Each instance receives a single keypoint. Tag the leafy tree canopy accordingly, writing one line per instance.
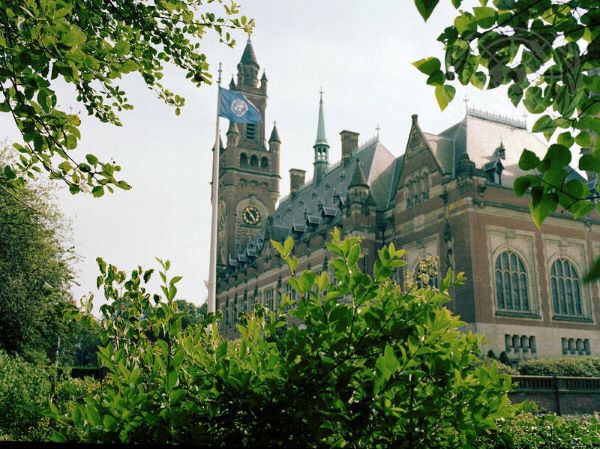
(90, 45)
(547, 53)
(36, 271)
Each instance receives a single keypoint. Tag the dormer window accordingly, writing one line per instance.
(493, 171)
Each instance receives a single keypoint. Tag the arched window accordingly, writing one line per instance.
(427, 272)
(424, 187)
(264, 163)
(511, 283)
(566, 289)
(253, 161)
(243, 160)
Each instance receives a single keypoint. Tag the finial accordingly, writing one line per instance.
(377, 129)
(274, 122)
(321, 93)
(466, 102)
(220, 73)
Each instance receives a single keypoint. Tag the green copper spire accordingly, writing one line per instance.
(321, 138)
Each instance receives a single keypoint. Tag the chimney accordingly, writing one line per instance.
(296, 180)
(349, 144)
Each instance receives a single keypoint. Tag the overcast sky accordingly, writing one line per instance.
(359, 51)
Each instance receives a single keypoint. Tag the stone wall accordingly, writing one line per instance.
(560, 395)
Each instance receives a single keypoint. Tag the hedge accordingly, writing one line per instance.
(566, 366)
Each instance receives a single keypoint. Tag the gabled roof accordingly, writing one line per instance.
(325, 197)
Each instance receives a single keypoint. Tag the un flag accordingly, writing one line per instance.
(236, 107)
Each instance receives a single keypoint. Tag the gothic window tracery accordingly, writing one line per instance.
(566, 289)
(511, 283)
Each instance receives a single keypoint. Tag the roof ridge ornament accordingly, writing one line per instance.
(495, 117)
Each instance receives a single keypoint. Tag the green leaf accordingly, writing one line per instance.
(444, 95)
(594, 273)
(91, 159)
(98, 191)
(522, 183)
(428, 65)
(57, 437)
(557, 156)
(528, 160)
(478, 80)
(590, 162)
(485, 16)
(543, 123)
(584, 139)
(542, 204)
(426, 7)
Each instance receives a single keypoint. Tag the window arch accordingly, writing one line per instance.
(427, 272)
(511, 283)
(253, 161)
(566, 288)
(243, 160)
(264, 163)
(424, 187)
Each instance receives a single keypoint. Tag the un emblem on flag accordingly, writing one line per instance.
(239, 107)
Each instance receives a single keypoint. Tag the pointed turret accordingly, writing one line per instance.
(321, 137)
(274, 134)
(248, 57)
(358, 177)
(321, 146)
(274, 147)
(264, 82)
(233, 134)
(232, 83)
(248, 67)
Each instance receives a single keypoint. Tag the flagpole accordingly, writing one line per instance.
(212, 275)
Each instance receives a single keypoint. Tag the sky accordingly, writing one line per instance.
(360, 52)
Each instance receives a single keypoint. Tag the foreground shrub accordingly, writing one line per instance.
(24, 393)
(361, 363)
(566, 366)
(528, 431)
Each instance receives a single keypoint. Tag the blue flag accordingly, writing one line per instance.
(236, 107)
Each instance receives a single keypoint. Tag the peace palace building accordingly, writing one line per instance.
(448, 198)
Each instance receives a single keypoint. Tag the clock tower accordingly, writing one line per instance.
(249, 168)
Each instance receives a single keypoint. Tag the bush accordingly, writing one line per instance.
(361, 363)
(528, 431)
(24, 392)
(566, 366)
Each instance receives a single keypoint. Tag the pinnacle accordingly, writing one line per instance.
(248, 57)
(358, 177)
(275, 135)
(321, 137)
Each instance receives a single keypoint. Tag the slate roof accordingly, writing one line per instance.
(479, 137)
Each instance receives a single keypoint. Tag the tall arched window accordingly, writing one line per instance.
(511, 283)
(243, 160)
(427, 272)
(566, 289)
(424, 187)
(253, 161)
(264, 163)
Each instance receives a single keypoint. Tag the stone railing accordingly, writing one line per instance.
(559, 394)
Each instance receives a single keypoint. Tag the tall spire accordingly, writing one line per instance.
(248, 57)
(321, 138)
(321, 146)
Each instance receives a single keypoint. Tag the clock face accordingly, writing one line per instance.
(251, 215)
